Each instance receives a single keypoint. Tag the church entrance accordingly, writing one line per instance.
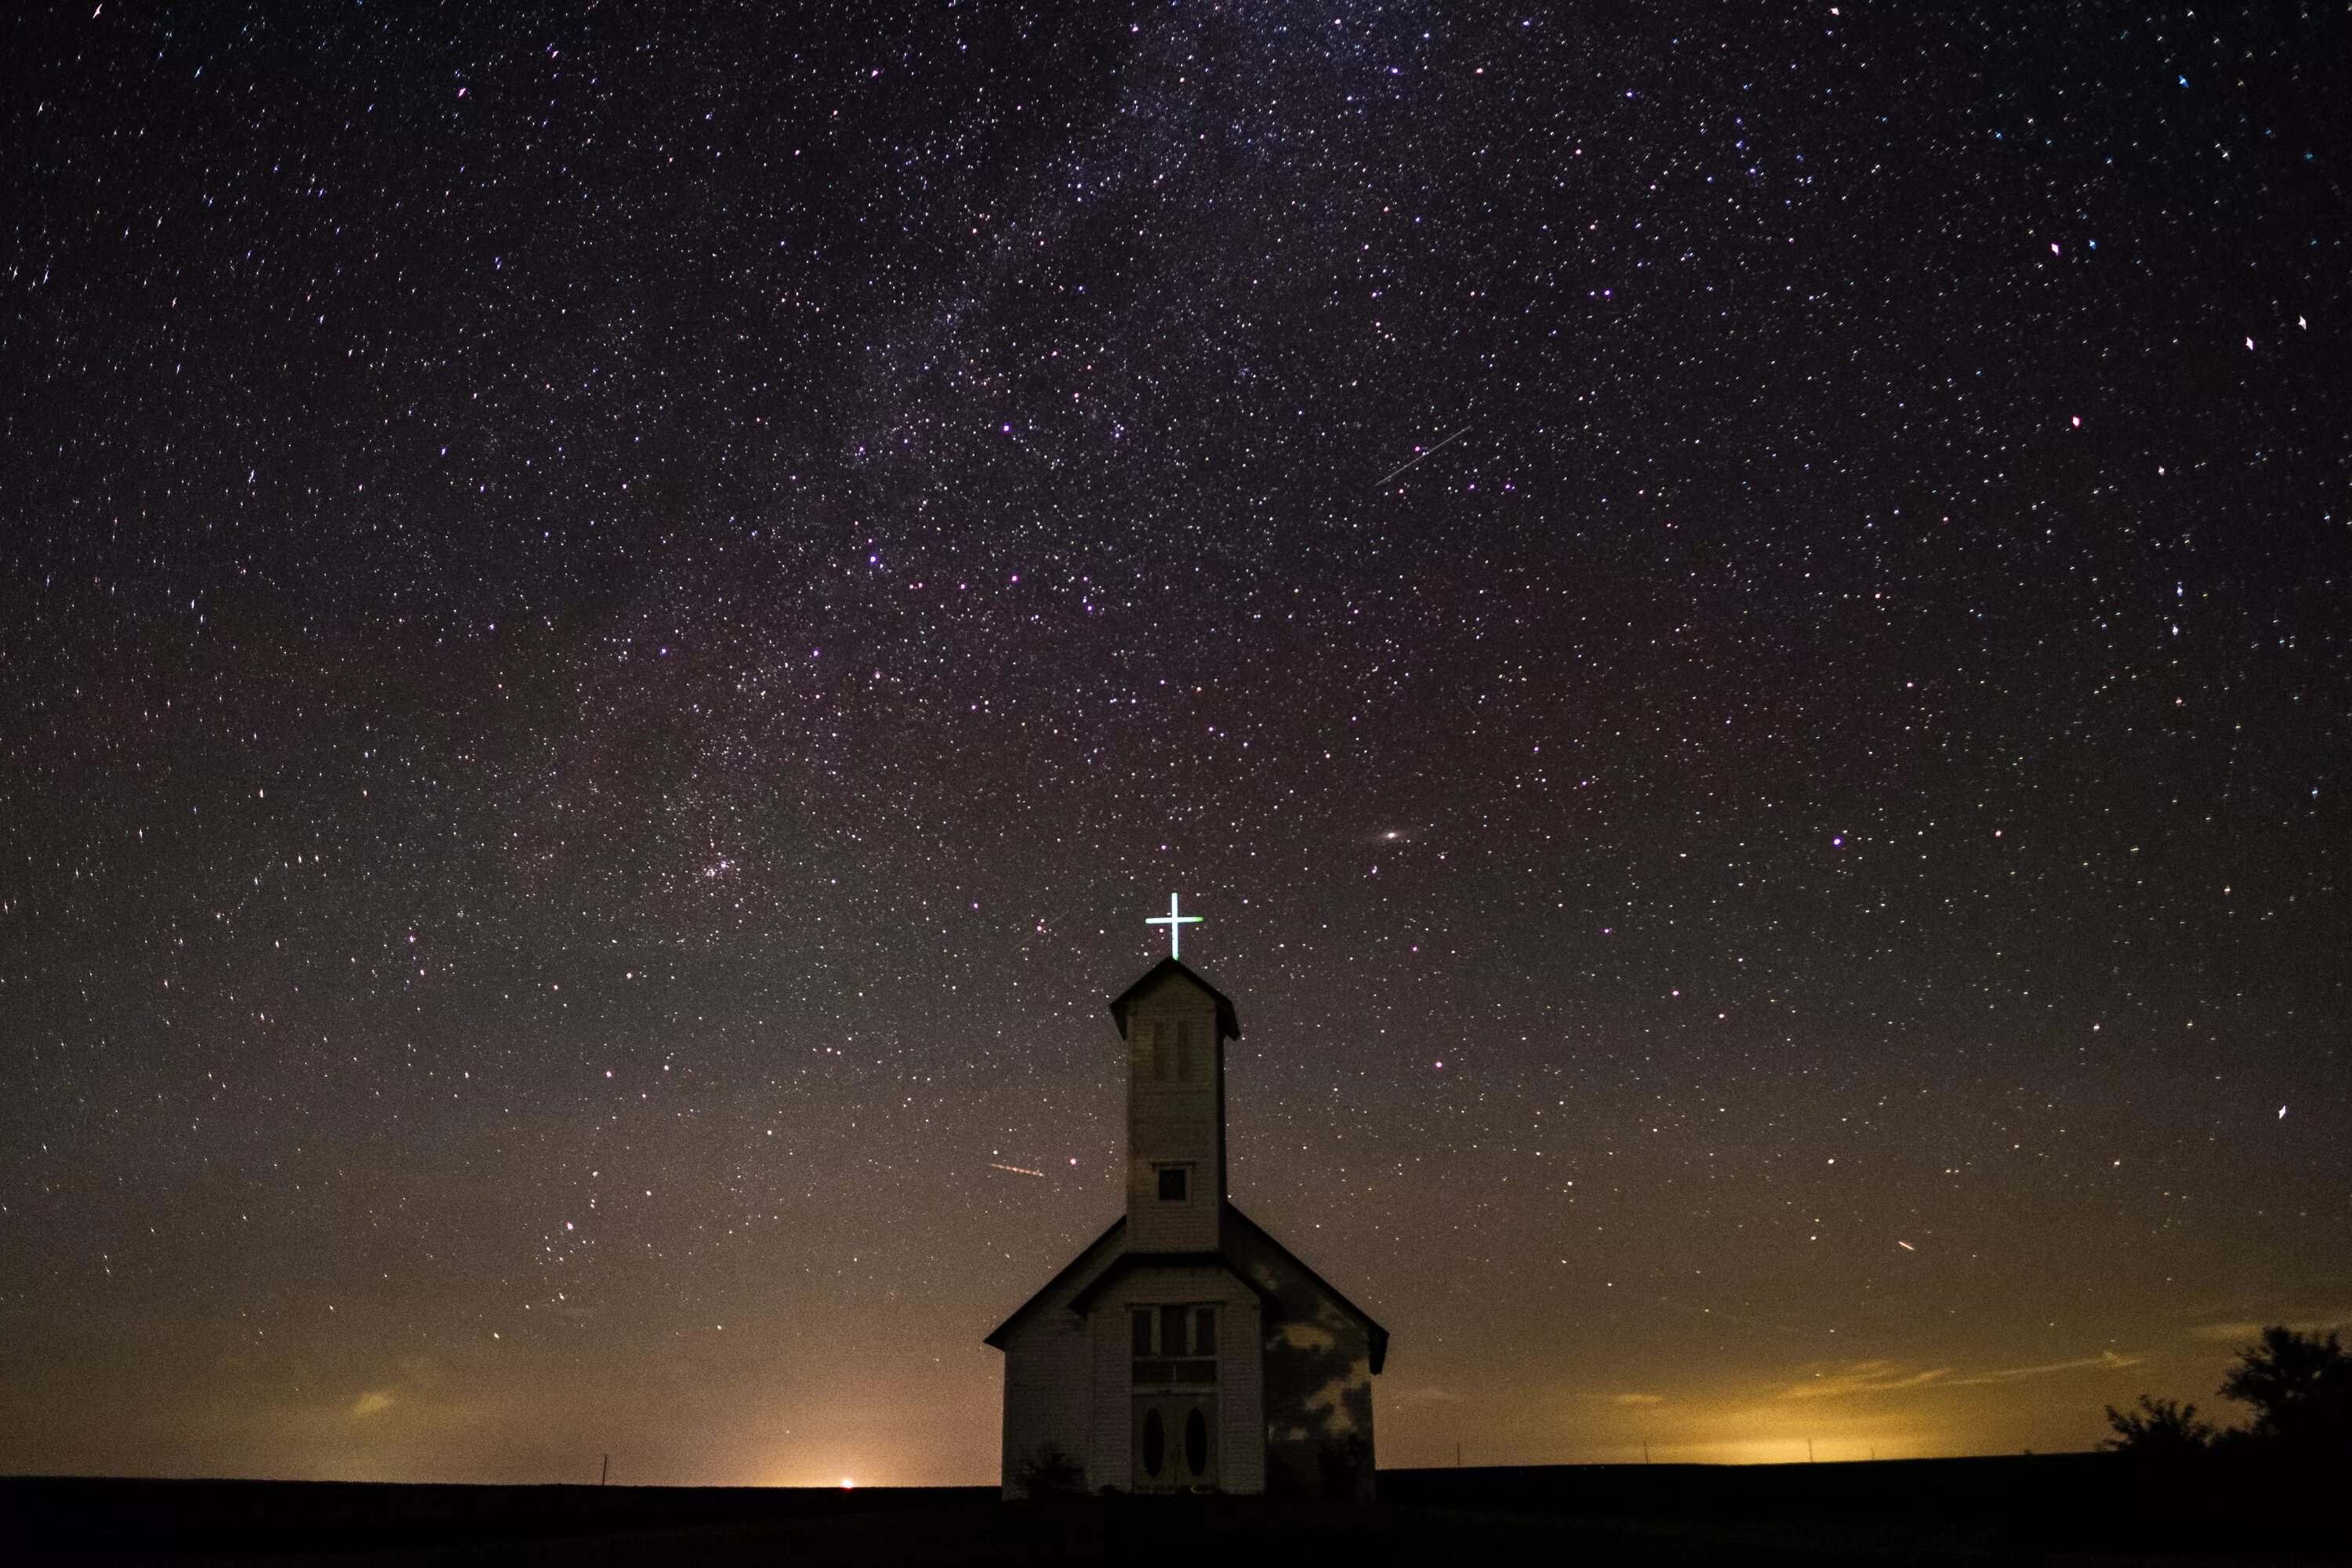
(1175, 1442)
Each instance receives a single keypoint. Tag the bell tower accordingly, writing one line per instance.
(1175, 1025)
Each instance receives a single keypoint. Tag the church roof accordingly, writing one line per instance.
(1376, 1335)
(1229, 1023)
(998, 1335)
(1127, 1261)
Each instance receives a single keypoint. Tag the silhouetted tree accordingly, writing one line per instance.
(2160, 1428)
(2300, 1386)
(1345, 1467)
(1050, 1474)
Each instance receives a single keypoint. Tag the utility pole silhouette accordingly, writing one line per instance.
(606, 1473)
(1809, 1450)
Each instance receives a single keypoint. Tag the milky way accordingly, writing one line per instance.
(616, 620)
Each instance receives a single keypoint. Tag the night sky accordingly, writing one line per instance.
(614, 617)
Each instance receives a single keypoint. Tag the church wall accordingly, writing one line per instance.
(1242, 1413)
(1047, 1391)
(1049, 1380)
(1318, 1385)
(1110, 1443)
(1240, 1430)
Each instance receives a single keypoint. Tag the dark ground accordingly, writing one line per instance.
(2065, 1509)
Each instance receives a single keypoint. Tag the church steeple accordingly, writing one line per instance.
(1175, 1025)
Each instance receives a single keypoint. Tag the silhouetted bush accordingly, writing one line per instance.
(1049, 1475)
(1346, 1464)
(2160, 1428)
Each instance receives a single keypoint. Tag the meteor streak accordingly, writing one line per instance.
(1416, 458)
(1016, 1170)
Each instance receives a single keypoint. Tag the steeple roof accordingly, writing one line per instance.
(1229, 1024)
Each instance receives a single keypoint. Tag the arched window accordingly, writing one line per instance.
(1155, 1442)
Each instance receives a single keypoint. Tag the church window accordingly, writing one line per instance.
(1162, 1357)
(1155, 1443)
(1160, 1043)
(1173, 1184)
(1184, 1049)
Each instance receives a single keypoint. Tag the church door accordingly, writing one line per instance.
(1175, 1442)
(1175, 1369)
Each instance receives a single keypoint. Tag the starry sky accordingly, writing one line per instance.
(1736, 621)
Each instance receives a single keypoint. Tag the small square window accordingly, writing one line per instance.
(1171, 1183)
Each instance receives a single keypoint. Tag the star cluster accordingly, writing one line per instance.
(1736, 620)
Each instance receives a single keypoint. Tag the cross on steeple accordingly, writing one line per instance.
(1175, 924)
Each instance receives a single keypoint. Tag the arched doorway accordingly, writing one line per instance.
(1175, 1442)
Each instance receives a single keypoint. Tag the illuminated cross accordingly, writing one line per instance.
(1175, 924)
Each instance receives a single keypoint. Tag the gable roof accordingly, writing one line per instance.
(1229, 1023)
(998, 1335)
(1127, 1261)
(1377, 1336)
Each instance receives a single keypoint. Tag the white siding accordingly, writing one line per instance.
(1049, 1380)
(1111, 1441)
(1241, 1437)
(1242, 1410)
(1175, 1121)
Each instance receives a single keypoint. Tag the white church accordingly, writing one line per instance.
(1185, 1348)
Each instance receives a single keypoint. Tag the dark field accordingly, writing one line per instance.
(2054, 1508)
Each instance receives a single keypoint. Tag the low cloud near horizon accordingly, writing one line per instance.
(2250, 1332)
(1889, 1377)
